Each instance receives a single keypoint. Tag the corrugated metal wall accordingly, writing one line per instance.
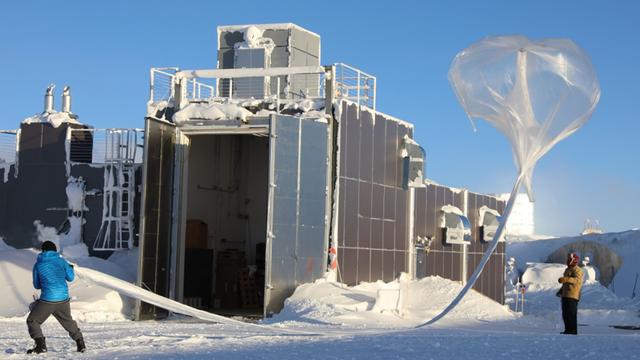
(372, 212)
(491, 281)
(442, 259)
(447, 260)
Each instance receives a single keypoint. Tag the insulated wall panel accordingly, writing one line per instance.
(491, 280)
(296, 249)
(157, 207)
(440, 259)
(373, 223)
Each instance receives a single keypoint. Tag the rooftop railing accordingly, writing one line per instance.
(105, 146)
(9, 146)
(270, 84)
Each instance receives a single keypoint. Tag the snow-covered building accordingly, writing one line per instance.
(258, 176)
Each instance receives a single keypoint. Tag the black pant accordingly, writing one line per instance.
(60, 310)
(570, 315)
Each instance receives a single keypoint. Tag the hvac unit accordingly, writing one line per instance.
(488, 222)
(456, 228)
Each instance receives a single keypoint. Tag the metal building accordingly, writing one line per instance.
(311, 168)
(256, 177)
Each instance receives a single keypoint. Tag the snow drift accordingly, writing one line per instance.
(325, 302)
(91, 303)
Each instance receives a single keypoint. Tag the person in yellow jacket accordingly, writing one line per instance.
(571, 282)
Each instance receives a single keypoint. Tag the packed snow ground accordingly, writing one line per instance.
(332, 321)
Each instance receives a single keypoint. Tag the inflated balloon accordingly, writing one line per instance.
(535, 92)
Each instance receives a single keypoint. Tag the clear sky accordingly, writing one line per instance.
(104, 50)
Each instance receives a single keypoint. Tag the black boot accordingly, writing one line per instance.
(81, 347)
(41, 347)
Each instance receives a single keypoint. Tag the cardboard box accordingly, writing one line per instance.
(196, 235)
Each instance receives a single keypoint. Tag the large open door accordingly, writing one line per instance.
(156, 223)
(297, 238)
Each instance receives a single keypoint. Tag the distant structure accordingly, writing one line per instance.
(591, 227)
(521, 221)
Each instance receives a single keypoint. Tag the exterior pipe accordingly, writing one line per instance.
(66, 99)
(48, 99)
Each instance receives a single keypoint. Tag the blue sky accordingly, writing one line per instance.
(104, 50)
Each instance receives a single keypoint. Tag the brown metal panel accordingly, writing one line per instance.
(376, 265)
(342, 134)
(486, 279)
(351, 168)
(474, 260)
(364, 258)
(379, 149)
(392, 154)
(473, 218)
(348, 261)
(377, 202)
(451, 265)
(388, 266)
(364, 233)
(342, 209)
(389, 235)
(364, 199)
(366, 146)
(376, 234)
(401, 219)
(501, 249)
(436, 263)
(350, 224)
(430, 212)
(493, 277)
(389, 203)
(501, 280)
(400, 262)
(428, 260)
(431, 217)
(456, 266)
(440, 201)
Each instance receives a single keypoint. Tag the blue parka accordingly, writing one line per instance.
(50, 274)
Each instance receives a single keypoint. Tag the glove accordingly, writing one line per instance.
(561, 280)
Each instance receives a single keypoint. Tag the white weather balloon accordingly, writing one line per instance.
(535, 92)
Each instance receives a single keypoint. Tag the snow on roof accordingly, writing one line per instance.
(54, 118)
(306, 108)
(277, 26)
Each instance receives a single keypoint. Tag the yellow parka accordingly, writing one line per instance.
(571, 282)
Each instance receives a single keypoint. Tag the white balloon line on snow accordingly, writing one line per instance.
(485, 257)
(133, 291)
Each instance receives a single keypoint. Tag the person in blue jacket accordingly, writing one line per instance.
(50, 274)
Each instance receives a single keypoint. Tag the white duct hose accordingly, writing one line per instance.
(135, 292)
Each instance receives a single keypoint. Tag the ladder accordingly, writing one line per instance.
(117, 229)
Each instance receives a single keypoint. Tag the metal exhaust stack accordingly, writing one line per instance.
(66, 99)
(48, 99)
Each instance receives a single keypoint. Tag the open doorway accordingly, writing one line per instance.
(226, 211)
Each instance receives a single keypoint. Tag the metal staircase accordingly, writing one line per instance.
(117, 229)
